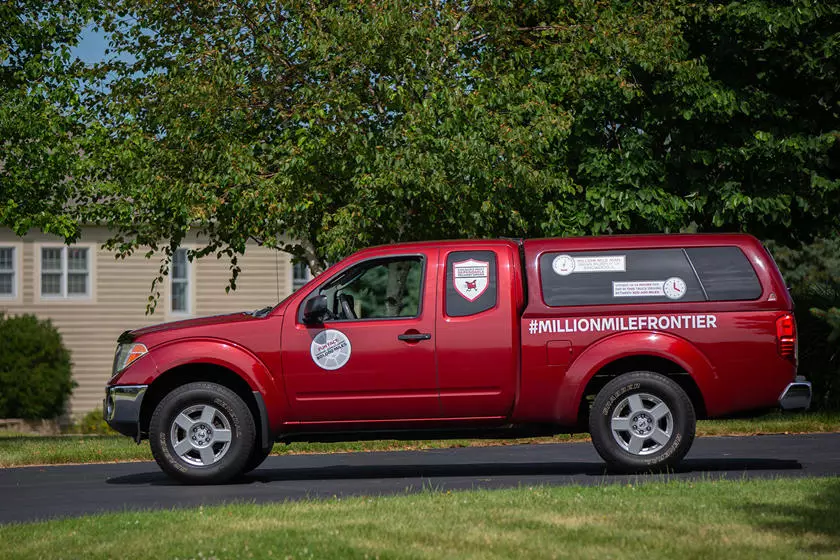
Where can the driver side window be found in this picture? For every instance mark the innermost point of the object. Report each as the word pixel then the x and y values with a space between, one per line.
pixel 377 289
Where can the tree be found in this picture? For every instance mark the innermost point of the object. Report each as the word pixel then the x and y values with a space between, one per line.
pixel 42 127
pixel 709 116
pixel 247 120
pixel 762 128
pixel 339 125
pixel 322 127
pixel 812 273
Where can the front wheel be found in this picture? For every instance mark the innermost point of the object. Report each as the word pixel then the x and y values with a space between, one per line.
pixel 258 457
pixel 642 421
pixel 202 433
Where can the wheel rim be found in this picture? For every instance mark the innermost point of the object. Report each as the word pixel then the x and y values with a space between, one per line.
pixel 642 424
pixel 200 435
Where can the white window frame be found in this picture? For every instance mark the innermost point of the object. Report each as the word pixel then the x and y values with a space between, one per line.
pixel 189 281
pixel 17 267
pixel 292 277
pixel 65 266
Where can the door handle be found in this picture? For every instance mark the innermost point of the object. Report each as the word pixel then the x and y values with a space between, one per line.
pixel 416 337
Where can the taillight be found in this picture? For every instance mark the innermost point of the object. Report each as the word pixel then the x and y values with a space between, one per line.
pixel 786 336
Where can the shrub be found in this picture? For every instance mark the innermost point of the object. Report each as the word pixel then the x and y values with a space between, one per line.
pixel 94 423
pixel 35 369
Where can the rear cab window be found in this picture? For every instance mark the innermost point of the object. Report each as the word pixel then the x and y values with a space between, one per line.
pixel 725 273
pixel 471 282
pixel 612 277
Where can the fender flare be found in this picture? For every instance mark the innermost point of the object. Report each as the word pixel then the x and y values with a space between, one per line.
pixel 639 343
pixel 234 358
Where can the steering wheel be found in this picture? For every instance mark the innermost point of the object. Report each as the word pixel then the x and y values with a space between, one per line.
pixel 346 302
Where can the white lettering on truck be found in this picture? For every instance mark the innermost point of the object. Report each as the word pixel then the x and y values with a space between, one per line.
pixel 617 324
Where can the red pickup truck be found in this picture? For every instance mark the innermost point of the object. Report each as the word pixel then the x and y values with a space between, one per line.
pixel 631 338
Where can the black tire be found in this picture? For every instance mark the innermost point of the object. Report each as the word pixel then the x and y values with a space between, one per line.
pixel 212 443
pixel 647 437
pixel 258 455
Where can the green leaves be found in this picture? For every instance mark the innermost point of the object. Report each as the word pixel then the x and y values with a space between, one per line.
pixel 35 369
pixel 319 128
pixel 812 272
pixel 42 122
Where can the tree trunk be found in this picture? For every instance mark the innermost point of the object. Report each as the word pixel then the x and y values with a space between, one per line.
pixel 395 291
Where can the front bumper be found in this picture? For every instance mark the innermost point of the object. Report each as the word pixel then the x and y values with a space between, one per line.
pixel 797 395
pixel 121 408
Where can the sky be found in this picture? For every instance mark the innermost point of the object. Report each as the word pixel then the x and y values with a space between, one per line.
pixel 92 45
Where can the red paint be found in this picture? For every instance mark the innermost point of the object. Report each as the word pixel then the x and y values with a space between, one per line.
pixel 478 355
pixel 488 367
pixel 385 378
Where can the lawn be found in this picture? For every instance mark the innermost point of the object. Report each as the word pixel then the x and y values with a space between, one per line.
pixel 761 519
pixel 18 450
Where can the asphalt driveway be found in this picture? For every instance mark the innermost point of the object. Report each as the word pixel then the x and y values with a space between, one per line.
pixel 32 493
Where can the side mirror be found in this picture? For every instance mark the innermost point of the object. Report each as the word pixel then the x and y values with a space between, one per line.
pixel 315 309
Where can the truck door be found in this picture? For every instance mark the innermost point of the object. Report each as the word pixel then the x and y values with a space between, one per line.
pixel 477 332
pixel 373 358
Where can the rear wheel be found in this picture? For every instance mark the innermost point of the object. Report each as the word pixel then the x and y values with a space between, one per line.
pixel 642 421
pixel 202 433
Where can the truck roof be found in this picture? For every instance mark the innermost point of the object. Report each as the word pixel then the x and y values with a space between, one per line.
pixel 643 241
pixel 597 242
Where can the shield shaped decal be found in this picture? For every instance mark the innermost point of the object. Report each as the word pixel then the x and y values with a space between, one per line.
pixel 470 278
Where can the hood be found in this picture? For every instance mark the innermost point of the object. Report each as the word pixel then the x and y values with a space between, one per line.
pixel 223 326
pixel 190 323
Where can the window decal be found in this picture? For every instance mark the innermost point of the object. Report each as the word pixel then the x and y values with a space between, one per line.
pixel 672 288
pixel 635 276
pixel 471 286
pixel 470 278
pixel 330 349
pixel 622 323
pixel 567 264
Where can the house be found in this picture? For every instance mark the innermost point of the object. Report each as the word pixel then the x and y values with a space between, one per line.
pixel 92 297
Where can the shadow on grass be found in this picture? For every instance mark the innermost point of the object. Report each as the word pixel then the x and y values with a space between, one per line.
pixel 577 472
pixel 820 517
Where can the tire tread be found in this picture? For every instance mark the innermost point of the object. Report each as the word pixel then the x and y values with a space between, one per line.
pixel 685 422
pixel 234 462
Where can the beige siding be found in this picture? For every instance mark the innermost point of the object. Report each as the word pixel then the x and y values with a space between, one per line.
pixel 264 279
pixel 119 292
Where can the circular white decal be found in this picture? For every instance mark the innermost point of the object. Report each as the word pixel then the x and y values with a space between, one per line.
pixel 674 288
pixel 330 349
pixel 563 265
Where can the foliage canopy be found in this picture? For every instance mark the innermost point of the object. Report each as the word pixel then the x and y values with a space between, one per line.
pixel 322 127
pixel 42 121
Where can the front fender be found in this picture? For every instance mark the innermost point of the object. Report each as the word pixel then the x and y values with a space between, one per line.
pixel 226 354
pixel 639 343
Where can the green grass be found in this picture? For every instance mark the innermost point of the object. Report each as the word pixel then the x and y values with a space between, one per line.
pixel 760 519
pixel 18 451
pixel 773 423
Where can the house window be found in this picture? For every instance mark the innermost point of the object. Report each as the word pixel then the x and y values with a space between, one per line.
pixel 65 272
pixel 180 300
pixel 8 274
pixel 300 275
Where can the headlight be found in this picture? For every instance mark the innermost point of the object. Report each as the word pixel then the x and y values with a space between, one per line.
pixel 127 354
